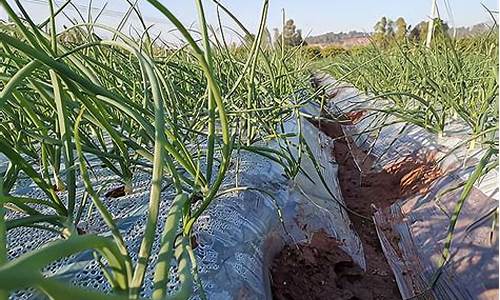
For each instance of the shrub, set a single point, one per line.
(332, 50)
(312, 51)
(357, 50)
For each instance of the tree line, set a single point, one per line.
(387, 30)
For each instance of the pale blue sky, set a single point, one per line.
(315, 16)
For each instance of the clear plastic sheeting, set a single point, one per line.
(236, 237)
(420, 223)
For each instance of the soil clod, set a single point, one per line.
(116, 192)
(319, 269)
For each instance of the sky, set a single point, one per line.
(312, 16)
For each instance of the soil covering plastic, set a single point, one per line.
(236, 238)
(317, 269)
(413, 230)
(297, 235)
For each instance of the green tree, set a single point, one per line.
(298, 40)
(441, 28)
(401, 28)
(291, 36)
(380, 29)
(384, 31)
(419, 32)
(389, 30)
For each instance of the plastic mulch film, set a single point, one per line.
(418, 226)
(236, 237)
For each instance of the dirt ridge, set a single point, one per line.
(314, 270)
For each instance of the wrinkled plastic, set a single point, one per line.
(421, 222)
(236, 237)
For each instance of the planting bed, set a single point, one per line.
(364, 191)
(428, 215)
(237, 236)
(133, 168)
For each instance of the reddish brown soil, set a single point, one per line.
(116, 192)
(318, 270)
(312, 272)
(356, 116)
(54, 187)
